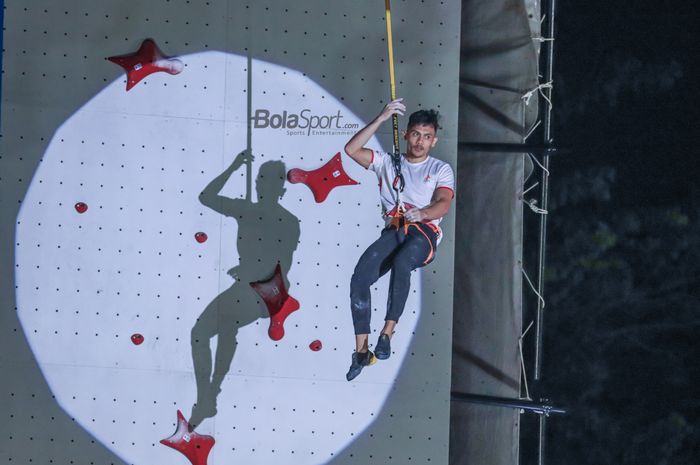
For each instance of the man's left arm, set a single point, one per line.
(437, 208)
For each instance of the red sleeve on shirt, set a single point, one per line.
(448, 188)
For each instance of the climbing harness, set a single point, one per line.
(403, 227)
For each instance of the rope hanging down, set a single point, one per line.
(399, 182)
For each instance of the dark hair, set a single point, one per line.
(429, 117)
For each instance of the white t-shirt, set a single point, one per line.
(422, 179)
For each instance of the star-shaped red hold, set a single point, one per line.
(279, 303)
(322, 180)
(189, 443)
(147, 60)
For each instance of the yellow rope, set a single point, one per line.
(392, 79)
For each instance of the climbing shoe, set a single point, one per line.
(383, 348)
(359, 361)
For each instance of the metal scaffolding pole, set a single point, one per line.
(544, 199)
(543, 407)
(542, 439)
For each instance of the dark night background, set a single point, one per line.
(623, 249)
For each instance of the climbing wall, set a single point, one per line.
(141, 195)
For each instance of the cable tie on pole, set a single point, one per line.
(527, 278)
(529, 189)
(532, 129)
(549, 86)
(522, 360)
(528, 95)
(532, 203)
(537, 162)
(543, 39)
(522, 368)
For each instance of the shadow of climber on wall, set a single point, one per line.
(267, 234)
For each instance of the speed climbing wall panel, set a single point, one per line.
(140, 196)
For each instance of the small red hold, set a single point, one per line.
(81, 207)
(279, 303)
(201, 237)
(322, 180)
(316, 345)
(137, 339)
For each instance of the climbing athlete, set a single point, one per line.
(412, 217)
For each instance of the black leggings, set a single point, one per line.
(399, 250)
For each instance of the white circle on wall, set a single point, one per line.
(130, 264)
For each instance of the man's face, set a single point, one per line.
(420, 139)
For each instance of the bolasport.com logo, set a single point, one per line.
(303, 123)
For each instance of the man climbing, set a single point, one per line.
(416, 191)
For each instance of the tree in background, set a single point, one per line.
(622, 318)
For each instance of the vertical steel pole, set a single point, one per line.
(249, 129)
(544, 198)
(542, 440)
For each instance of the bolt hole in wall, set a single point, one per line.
(152, 210)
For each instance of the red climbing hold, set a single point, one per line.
(201, 237)
(316, 345)
(322, 180)
(189, 443)
(81, 207)
(147, 60)
(279, 303)
(137, 339)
